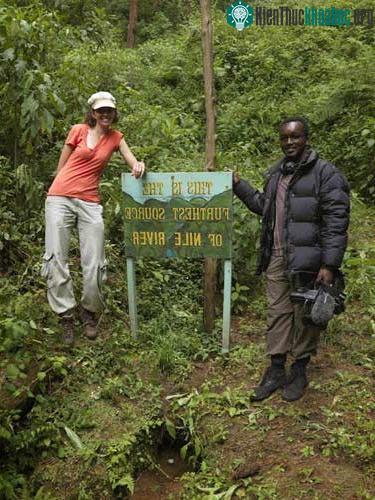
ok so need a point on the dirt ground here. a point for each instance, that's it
(311, 448)
(133, 420)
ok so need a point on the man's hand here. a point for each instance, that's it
(236, 178)
(325, 276)
(138, 169)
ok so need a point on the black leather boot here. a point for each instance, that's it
(273, 378)
(297, 380)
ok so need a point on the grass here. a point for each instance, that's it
(84, 423)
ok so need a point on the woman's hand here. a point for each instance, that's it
(138, 169)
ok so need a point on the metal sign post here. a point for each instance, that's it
(179, 215)
(132, 296)
(226, 305)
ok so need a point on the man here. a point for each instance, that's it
(305, 216)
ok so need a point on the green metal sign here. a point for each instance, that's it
(178, 215)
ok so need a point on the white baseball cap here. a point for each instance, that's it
(102, 100)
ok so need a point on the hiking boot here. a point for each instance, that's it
(67, 324)
(296, 383)
(273, 378)
(90, 324)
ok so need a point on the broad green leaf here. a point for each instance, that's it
(230, 492)
(232, 411)
(20, 65)
(126, 481)
(73, 438)
(4, 433)
(29, 105)
(48, 121)
(12, 371)
(183, 451)
(170, 428)
(8, 54)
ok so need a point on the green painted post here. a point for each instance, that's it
(132, 296)
(226, 305)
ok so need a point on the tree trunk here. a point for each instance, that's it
(132, 25)
(210, 264)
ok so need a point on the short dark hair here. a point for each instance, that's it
(301, 119)
(91, 122)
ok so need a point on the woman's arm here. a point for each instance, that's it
(65, 153)
(138, 167)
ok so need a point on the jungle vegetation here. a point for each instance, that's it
(84, 424)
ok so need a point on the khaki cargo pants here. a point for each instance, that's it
(286, 333)
(62, 215)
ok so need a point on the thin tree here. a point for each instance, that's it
(210, 264)
(132, 24)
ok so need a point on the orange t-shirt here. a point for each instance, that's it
(79, 177)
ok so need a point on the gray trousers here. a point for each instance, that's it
(62, 215)
(286, 333)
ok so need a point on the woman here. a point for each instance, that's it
(73, 200)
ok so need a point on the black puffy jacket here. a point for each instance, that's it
(316, 215)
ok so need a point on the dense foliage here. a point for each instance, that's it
(53, 55)
(53, 59)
